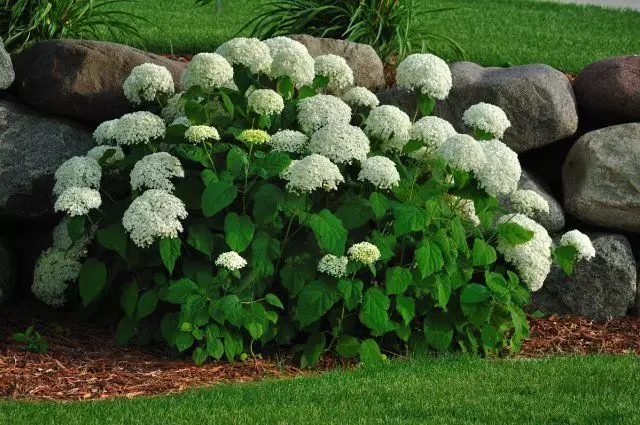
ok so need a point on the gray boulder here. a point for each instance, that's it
(367, 67)
(81, 79)
(32, 147)
(402, 98)
(599, 289)
(601, 178)
(7, 272)
(7, 75)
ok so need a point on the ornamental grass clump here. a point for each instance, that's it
(271, 215)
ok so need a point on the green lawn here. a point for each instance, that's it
(493, 32)
(446, 390)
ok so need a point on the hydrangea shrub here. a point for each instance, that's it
(258, 209)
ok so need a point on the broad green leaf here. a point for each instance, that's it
(294, 278)
(170, 252)
(93, 275)
(429, 258)
(320, 82)
(398, 280)
(514, 234)
(199, 356)
(264, 250)
(266, 203)
(75, 227)
(474, 293)
(272, 164)
(374, 310)
(313, 349)
(347, 346)
(351, 291)
(208, 176)
(483, 254)
(438, 332)
(129, 298)
(237, 160)
(477, 313)
(458, 234)
(406, 306)
(379, 204)
(370, 354)
(426, 103)
(178, 292)
(169, 327)
(200, 238)
(231, 307)
(194, 153)
(354, 213)
(305, 92)
(443, 290)
(228, 103)
(215, 348)
(217, 196)
(195, 311)
(147, 303)
(385, 243)
(409, 218)
(497, 283)
(238, 231)
(274, 301)
(490, 336)
(314, 301)
(233, 344)
(412, 146)
(566, 257)
(255, 329)
(329, 232)
(184, 340)
(126, 329)
(113, 238)
(284, 86)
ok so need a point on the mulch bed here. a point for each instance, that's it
(84, 362)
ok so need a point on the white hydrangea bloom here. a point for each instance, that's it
(181, 121)
(336, 69)
(333, 266)
(155, 172)
(62, 241)
(581, 242)
(528, 202)
(201, 133)
(426, 72)
(465, 207)
(390, 125)
(291, 58)
(207, 70)
(174, 108)
(249, 52)
(98, 152)
(488, 118)
(531, 259)
(254, 136)
(265, 102)
(79, 171)
(139, 127)
(432, 131)
(78, 201)
(105, 132)
(364, 252)
(501, 172)
(319, 110)
(360, 96)
(312, 172)
(289, 141)
(463, 152)
(155, 214)
(380, 171)
(341, 143)
(53, 272)
(231, 261)
(146, 82)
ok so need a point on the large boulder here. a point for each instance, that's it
(601, 178)
(7, 75)
(601, 288)
(32, 146)
(364, 61)
(7, 272)
(608, 91)
(81, 79)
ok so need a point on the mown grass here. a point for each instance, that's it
(446, 390)
(492, 32)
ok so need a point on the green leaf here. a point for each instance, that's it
(238, 231)
(129, 298)
(194, 153)
(184, 340)
(284, 86)
(489, 336)
(217, 196)
(113, 238)
(264, 250)
(412, 146)
(426, 103)
(370, 354)
(195, 111)
(313, 350)
(385, 243)
(266, 203)
(93, 275)
(497, 284)
(228, 103)
(170, 252)
(429, 258)
(406, 306)
(178, 292)
(294, 278)
(320, 82)
(351, 291)
(75, 227)
(272, 164)
(483, 254)
(314, 301)
(126, 329)
(231, 307)
(354, 213)
(398, 280)
(255, 329)
(305, 92)
(443, 289)
(199, 356)
(329, 232)
(200, 238)
(438, 332)
(566, 257)
(514, 234)
(147, 303)
(458, 234)
(477, 313)
(347, 346)
(274, 301)
(374, 310)
(409, 218)
(215, 348)
(379, 204)
(237, 160)
(208, 176)
(474, 293)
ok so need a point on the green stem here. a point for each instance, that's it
(246, 178)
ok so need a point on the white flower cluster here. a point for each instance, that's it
(249, 52)
(336, 69)
(465, 207)
(463, 152)
(291, 58)
(360, 97)
(289, 141)
(581, 242)
(52, 274)
(364, 252)
(201, 133)
(333, 266)
(139, 127)
(173, 109)
(319, 110)
(98, 152)
(105, 132)
(528, 202)
(531, 259)
(231, 261)
(488, 118)
(380, 171)
(312, 172)
(432, 131)
(390, 125)
(146, 82)
(155, 172)
(341, 143)
(207, 70)
(426, 72)
(62, 241)
(77, 171)
(265, 102)
(78, 201)
(501, 172)
(154, 215)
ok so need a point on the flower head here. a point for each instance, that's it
(312, 172)
(146, 82)
(155, 172)
(231, 261)
(105, 132)
(581, 242)
(463, 152)
(78, 201)
(364, 252)
(154, 215)
(62, 241)
(432, 131)
(289, 141)
(465, 207)
(207, 70)
(254, 136)
(426, 72)
(501, 172)
(333, 266)
(317, 111)
(173, 109)
(52, 274)
(201, 133)
(139, 127)
(390, 125)
(528, 202)
(380, 171)
(249, 52)
(360, 97)
(98, 152)
(79, 171)
(335, 68)
(291, 59)
(265, 102)
(488, 118)
(341, 143)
